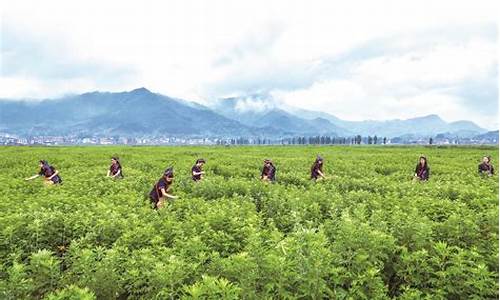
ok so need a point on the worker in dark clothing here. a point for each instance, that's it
(50, 174)
(486, 168)
(196, 171)
(317, 169)
(268, 171)
(115, 170)
(422, 170)
(161, 190)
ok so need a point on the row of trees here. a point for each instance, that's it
(311, 140)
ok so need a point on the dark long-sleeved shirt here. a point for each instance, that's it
(114, 168)
(486, 168)
(47, 171)
(269, 171)
(156, 193)
(315, 169)
(196, 169)
(422, 172)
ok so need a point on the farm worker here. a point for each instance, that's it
(422, 170)
(486, 168)
(161, 189)
(50, 174)
(317, 169)
(196, 170)
(268, 171)
(115, 170)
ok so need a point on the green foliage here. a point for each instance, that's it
(367, 232)
(213, 289)
(96, 269)
(44, 271)
(16, 283)
(72, 293)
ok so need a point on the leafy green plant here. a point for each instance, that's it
(366, 232)
(71, 293)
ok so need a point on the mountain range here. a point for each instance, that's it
(308, 121)
(141, 112)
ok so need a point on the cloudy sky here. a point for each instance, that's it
(354, 59)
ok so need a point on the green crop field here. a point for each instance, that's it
(367, 232)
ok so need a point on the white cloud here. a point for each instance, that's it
(199, 50)
(438, 65)
(351, 101)
(254, 105)
(339, 96)
(411, 84)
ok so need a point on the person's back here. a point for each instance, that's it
(48, 172)
(161, 190)
(314, 170)
(272, 173)
(156, 193)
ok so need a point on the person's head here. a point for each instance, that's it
(422, 160)
(115, 160)
(200, 162)
(268, 162)
(486, 159)
(319, 160)
(169, 174)
(42, 163)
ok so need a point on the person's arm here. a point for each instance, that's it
(264, 175)
(109, 173)
(321, 173)
(165, 194)
(198, 173)
(53, 175)
(117, 173)
(32, 177)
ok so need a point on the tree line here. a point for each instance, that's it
(307, 140)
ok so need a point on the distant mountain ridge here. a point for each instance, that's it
(429, 125)
(490, 135)
(141, 112)
(135, 113)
